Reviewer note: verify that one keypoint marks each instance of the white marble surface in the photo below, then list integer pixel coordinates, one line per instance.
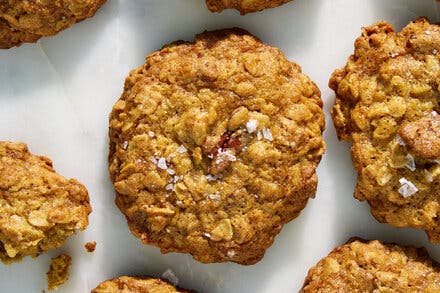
(56, 96)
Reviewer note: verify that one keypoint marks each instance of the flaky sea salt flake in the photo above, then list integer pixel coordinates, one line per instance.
(215, 196)
(410, 163)
(181, 149)
(150, 133)
(162, 163)
(252, 125)
(407, 188)
(125, 145)
(267, 134)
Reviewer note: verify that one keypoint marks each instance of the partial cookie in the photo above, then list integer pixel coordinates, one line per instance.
(244, 6)
(372, 266)
(39, 209)
(28, 21)
(58, 272)
(137, 285)
(214, 146)
(387, 104)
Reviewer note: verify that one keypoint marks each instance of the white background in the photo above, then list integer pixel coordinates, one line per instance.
(56, 96)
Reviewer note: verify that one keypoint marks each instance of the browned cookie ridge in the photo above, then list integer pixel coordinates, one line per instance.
(39, 209)
(387, 104)
(243, 6)
(26, 21)
(214, 146)
(137, 285)
(371, 266)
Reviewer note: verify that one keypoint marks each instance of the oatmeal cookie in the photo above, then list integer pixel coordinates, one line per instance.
(244, 6)
(39, 209)
(59, 271)
(137, 285)
(371, 266)
(26, 21)
(214, 146)
(387, 104)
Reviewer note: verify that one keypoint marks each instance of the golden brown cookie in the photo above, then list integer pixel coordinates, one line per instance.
(371, 266)
(39, 209)
(59, 270)
(137, 285)
(26, 21)
(244, 6)
(214, 146)
(387, 104)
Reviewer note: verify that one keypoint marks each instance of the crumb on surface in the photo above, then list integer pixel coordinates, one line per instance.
(58, 272)
(90, 246)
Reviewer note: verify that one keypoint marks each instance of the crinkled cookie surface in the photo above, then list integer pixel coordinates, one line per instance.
(387, 104)
(214, 146)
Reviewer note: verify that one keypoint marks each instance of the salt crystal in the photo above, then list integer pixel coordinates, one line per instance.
(171, 277)
(125, 145)
(231, 253)
(252, 125)
(434, 113)
(267, 134)
(207, 235)
(179, 202)
(181, 149)
(393, 55)
(407, 187)
(427, 33)
(410, 164)
(259, 135)
(434, 51)
(176, 178)
(225, 156)
(215, 196)
(162, 164)
(170, 187)
(171, 171)
(210, 177)
(150, 133)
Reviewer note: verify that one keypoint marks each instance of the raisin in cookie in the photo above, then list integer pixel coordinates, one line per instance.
(214, 146)
(39, 209)
(244, 6)
(387, 104)
(27, 21)
(137, 285)
(371, 266)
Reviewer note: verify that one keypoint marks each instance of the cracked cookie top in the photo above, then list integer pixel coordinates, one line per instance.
(39, 208)
(387, 104)
(214, 146)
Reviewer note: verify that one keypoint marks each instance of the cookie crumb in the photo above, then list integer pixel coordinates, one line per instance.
(408, 188)
(171, 277)
(90, 246)
(58, 272)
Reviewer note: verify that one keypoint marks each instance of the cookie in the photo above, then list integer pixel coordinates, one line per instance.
(58, 272)
(39, 208)
(137, 285)
(387, 104)
(214, 146)
(28, 21)
(243, 6)
(371, 266)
